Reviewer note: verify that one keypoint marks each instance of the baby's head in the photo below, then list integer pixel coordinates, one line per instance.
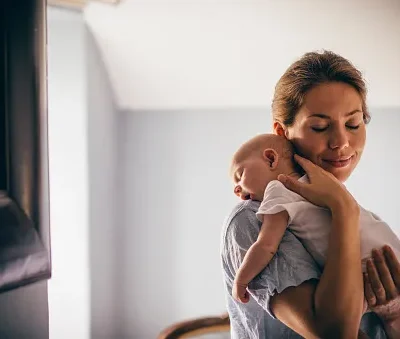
(259, 161)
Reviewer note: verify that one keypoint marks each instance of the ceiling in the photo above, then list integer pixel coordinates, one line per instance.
(192, 54)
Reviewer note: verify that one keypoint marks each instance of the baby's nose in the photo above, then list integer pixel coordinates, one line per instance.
(237, 190)
(240, 193)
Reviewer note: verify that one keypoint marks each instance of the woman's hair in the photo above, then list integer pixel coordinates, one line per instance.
(310, 70)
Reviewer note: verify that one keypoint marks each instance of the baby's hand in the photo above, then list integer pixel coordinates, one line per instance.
(240, 293)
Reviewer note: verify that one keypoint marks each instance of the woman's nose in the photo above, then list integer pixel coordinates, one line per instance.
(338, 139)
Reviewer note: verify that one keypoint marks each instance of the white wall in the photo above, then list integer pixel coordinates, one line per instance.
(169, 54)
(82, 138)
(375, 182)
(176, 192)
(69, 298)
(102, 133)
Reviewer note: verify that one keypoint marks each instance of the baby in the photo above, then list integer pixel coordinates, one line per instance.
(255, 168)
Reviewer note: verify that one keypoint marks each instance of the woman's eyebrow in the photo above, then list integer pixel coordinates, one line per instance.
(324, 116)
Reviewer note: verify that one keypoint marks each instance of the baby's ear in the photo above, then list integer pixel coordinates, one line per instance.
(271, 156)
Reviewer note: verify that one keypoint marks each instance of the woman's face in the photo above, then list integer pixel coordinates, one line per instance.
(329, 128)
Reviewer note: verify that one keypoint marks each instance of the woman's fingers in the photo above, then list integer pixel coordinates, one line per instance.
(314, 172)
(376, 283)
(384, 274)
(393, 265)
(368, 292)
(306, 164)
(293, 184)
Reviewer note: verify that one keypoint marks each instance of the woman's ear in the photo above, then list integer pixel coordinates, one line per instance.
(272, 158)
(280, 130)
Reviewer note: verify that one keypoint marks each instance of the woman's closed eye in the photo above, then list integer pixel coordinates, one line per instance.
(320, 129)
(353, 126)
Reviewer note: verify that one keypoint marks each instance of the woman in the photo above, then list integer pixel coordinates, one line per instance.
(320, 105)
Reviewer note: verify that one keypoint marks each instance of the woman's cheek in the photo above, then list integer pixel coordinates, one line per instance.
(310, 148)
(304, 144)
(307, 143)
(361, 139)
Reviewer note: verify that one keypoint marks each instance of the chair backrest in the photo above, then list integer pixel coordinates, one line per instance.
(196, 327)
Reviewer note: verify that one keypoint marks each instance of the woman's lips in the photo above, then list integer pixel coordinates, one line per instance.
(339, 163)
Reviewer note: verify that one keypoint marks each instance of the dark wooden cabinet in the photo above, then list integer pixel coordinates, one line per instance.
(24, 196)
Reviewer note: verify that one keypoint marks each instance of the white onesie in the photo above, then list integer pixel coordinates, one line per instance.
(312, 224)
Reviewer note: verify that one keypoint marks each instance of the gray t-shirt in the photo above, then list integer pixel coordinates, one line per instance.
(291, 266)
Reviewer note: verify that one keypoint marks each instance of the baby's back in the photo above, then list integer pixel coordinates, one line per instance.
(312, 224)
(375, 233)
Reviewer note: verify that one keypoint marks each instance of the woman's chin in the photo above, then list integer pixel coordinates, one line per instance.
(340, 173)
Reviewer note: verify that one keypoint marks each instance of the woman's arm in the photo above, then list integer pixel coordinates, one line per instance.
(339, 296)
(260, 253)
(294, 307)
(312, 309)
(335, 304)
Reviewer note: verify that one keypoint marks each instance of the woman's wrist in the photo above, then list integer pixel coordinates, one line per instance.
(346, 206)
(392, 327)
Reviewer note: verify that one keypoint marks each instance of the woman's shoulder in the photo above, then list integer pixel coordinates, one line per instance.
(242, 213)
(241, 227)
(241, 220)
(243, 208)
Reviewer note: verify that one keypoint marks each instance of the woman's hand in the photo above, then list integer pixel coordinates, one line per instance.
(323, 190)
(382, 287)
(339, 296)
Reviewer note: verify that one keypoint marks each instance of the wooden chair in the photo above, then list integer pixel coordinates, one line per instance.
(196, 327)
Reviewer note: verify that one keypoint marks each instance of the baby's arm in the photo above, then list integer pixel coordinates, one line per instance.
(260, 253)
